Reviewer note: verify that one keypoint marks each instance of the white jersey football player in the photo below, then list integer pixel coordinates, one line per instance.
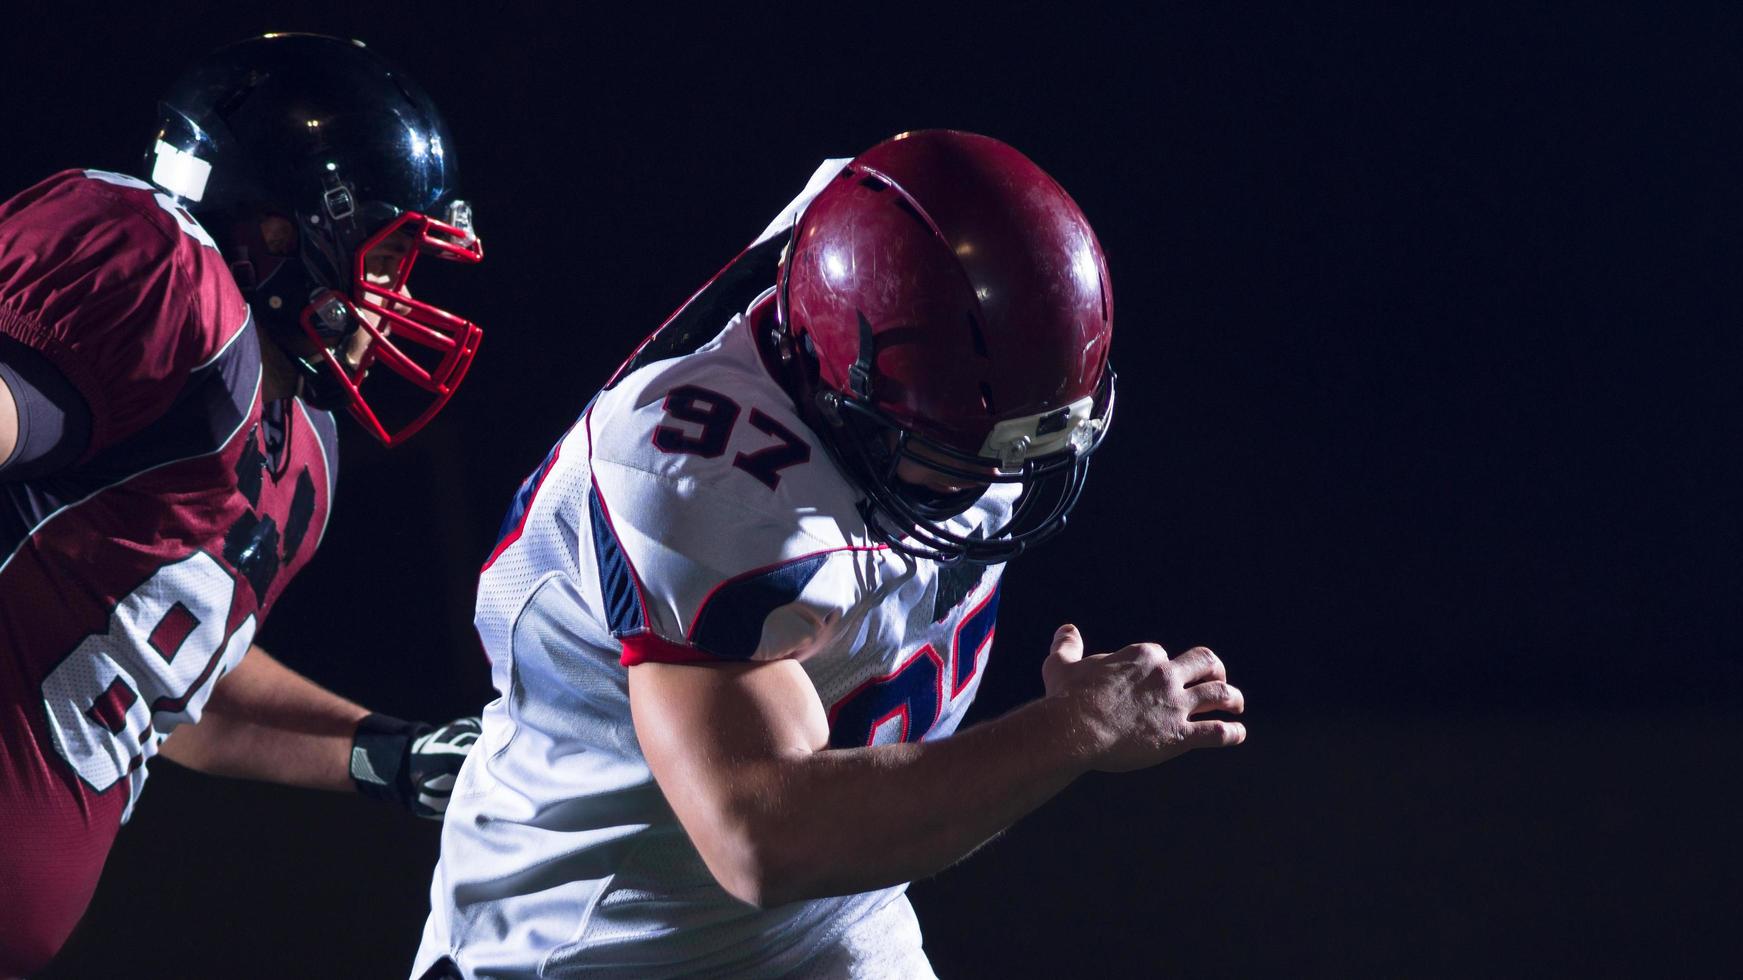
(738, 612)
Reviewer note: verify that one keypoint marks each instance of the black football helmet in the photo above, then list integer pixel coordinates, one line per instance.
(323, 173)
(947, 303)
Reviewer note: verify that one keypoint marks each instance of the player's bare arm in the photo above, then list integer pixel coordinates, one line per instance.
(771, 549)
(8, 422)
(267, 722)
(174, 346)
(779, 817)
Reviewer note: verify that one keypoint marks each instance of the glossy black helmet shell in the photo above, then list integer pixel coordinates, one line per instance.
(295, 152)
(278, 118)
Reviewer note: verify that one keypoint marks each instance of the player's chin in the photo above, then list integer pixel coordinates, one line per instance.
(940, 503)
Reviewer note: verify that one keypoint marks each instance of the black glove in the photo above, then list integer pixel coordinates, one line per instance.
(410, 763)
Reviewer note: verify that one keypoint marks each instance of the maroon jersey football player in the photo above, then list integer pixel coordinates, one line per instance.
(170, 352)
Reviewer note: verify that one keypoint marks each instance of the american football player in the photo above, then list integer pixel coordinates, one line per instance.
(171, 351)
(738, 612)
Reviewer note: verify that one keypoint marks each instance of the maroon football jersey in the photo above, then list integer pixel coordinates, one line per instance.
(133, 580)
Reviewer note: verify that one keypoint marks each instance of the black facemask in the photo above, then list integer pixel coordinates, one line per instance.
(938, 505)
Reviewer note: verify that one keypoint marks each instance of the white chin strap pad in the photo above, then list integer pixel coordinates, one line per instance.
(1015, 441)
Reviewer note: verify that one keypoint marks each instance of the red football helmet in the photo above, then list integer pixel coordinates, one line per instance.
(951, 307)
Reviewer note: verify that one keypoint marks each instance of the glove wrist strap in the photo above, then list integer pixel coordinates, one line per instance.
(381, 757)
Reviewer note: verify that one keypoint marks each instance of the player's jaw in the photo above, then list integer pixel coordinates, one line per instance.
(934, 492)
(282, 380)
(915, 470)
(352, 350)
(380, 269)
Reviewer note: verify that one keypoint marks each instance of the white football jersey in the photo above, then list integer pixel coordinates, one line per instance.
(689, 515)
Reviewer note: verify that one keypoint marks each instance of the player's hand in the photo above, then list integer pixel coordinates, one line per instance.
(1136, 706)
(436, 758)
(411, 764)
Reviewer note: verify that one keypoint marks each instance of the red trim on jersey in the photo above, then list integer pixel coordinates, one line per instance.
(883, 678)
(521, 525)
(899, 710)
(974, 655)
(690, 633)
(648, 647)
(604, 508)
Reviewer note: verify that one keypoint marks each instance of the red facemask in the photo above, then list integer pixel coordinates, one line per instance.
(423, 344)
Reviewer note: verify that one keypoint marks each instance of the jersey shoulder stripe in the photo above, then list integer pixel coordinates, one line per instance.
(723, 562)
(119, 288)
(622, 594)
(730, 621)
(325, 428)
(214, 401)
(514, 521)
(220, 399)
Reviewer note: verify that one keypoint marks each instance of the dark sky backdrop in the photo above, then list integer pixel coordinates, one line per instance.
(1428, 337)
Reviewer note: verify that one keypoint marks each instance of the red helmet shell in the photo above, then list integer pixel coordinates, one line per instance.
(984, 287)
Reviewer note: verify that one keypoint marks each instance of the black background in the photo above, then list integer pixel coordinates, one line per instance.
(1427, 328)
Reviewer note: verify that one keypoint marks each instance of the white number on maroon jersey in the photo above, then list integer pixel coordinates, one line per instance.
(165, 641)
(183, 218)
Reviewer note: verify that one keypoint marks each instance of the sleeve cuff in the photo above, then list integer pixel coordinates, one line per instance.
(645, 648)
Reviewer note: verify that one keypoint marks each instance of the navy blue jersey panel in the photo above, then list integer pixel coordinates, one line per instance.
(529, 488)
(910, 698)
(731, 622)
(523, 497)
(623, 608)
(970, 637)
(213, 402)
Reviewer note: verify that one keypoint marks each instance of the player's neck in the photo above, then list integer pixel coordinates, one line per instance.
(278, 378)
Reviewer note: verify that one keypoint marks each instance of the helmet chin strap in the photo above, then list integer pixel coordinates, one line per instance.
(859, 373)
(318, 390)
(910, 518)
(891, 522)
(289, 374)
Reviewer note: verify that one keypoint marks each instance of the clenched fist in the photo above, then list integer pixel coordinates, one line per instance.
(1134, 707)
